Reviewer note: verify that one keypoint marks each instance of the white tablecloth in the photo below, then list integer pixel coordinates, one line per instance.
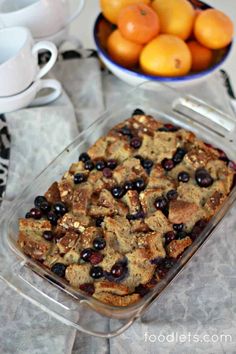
(202, 301)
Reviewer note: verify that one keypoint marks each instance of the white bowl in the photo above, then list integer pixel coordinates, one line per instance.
(57, 38)
(136, 78)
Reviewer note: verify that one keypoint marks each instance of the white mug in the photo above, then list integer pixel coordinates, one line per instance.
(42, 17)
(27, 97)
(19, 60)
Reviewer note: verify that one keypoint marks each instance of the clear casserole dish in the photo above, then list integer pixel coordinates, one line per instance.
(52, 294)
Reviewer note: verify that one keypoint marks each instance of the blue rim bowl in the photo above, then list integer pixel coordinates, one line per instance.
(139, 75)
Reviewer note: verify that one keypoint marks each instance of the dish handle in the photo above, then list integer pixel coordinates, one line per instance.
(206, 115)
(51, 84)
(22, 279)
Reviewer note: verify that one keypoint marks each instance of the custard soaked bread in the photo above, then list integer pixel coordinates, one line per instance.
(122, 215)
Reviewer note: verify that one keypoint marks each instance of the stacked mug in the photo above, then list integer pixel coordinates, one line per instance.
(26, 26)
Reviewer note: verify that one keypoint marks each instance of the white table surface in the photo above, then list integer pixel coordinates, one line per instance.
(83, 26)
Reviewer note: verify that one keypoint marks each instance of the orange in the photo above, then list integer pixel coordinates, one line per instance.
(213, 29)
(138, 23)
(111, 8)
(166, 55)
(202, 57)
(104, 31)
(176, 17)
(123, 51)
(197, 12)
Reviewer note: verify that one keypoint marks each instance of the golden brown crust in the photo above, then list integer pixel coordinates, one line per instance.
(176, 247)
(117, 300)
(53, 194)
(111, 287)
(181, 211)
(30, 238)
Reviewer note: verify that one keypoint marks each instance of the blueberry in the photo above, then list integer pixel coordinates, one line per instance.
(117, 192)
(84, 157)
(232, 164)
(179, 155)
(89, 165)
(86, 254)
(107, 172)
(163, 129)
(161, 203)
(45, 207)
(135, 142)
(168, 128)
(38, 200)
(178, 227)
(167, 164)
(126, 131)
(112, 163)
(79, 178)
(180, 235)
(48, 235)
(172, 194)
(28, 215)
(164, 266)
(139, 157)
(139, 215)
(223, 156)
(183, 177)
(198, 228)
(147, 164)
(203, 178)
(201, 224)
(59, 269)
(35, 213)
(117, 270)
(139, 184)
(128, 186)
(88, 288)
(60, 209)
(142, 290)
(96, 272)
(52, 217)
(131, 217)
(99, 243)
(168, 263)
(169, 236)
(99, 221)
(100, 165)
(138, 112)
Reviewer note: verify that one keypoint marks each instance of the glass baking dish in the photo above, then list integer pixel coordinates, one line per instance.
(52, 294)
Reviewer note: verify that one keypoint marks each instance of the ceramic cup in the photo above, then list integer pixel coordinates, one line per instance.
(19, 60)
(27, 97)
(42, 17)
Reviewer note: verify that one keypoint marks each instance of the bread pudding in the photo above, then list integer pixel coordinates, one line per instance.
(123, 215)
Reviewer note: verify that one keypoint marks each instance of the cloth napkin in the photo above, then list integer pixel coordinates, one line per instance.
(38, 135)
(200, 301)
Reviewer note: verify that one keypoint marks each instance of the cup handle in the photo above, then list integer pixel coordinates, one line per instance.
(52, 49)
(75, 13)
(50, 83)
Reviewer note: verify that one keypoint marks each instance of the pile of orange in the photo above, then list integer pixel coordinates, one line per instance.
(164, 37)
